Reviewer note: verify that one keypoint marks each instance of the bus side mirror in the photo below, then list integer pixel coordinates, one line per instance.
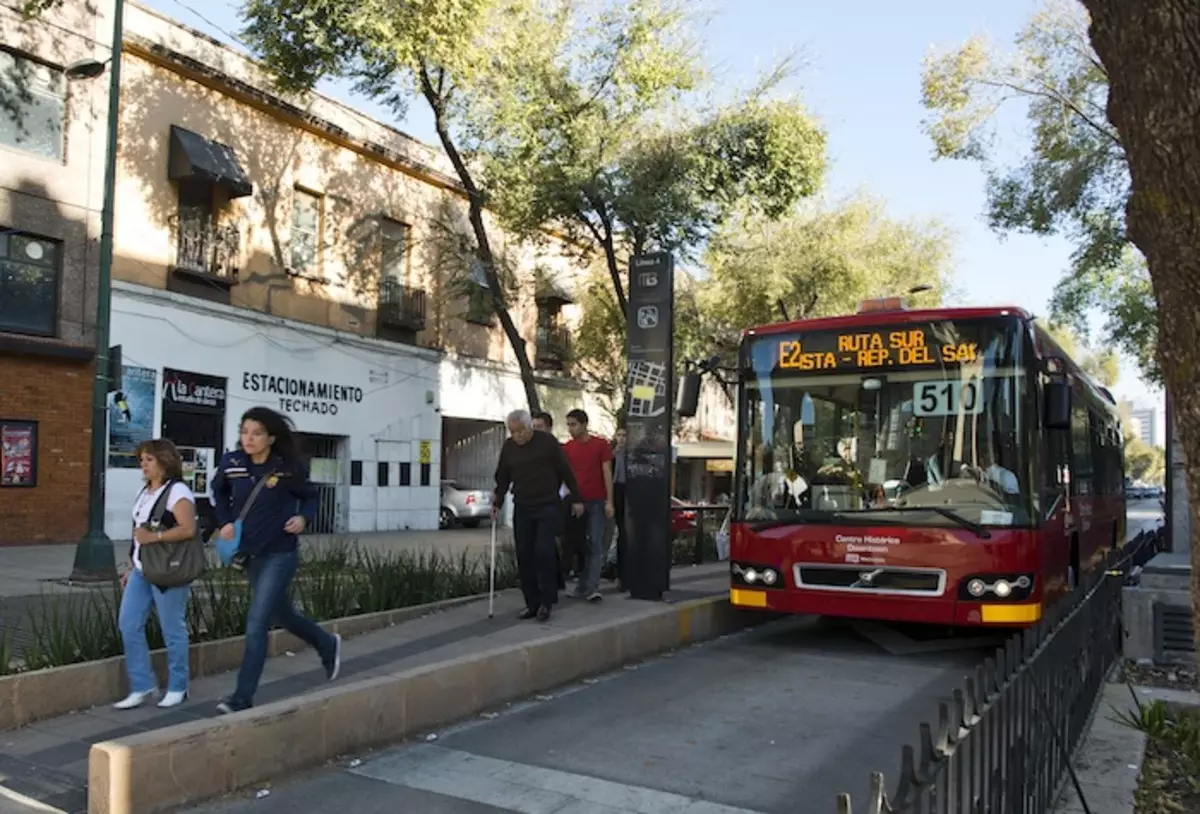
(1058, 405)
(688, 402)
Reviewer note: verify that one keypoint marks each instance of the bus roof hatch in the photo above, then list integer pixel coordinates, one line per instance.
(881, 304)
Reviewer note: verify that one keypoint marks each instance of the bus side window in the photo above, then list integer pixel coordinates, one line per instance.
(1082, 465)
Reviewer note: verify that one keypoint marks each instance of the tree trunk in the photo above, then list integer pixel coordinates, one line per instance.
(1151, 50)
(486, 257)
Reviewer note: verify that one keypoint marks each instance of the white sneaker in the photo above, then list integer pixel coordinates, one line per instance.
(172, 699)
(135, 699)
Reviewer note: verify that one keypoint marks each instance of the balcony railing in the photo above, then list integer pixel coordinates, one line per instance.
(401, 307)
(203, 249)
(553, 348)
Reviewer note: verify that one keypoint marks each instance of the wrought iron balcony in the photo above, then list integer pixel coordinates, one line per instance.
(401, 307)
(206, 250)
(553, 347)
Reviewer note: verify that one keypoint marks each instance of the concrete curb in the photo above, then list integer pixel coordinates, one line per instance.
(185, 764)
(41, 694)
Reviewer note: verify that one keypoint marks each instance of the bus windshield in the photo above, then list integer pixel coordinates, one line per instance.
(925, 424)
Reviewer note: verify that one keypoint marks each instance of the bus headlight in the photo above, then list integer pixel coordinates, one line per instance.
(756, 576)
(1008, 587)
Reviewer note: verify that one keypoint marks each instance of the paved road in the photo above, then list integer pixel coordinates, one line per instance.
(775, 720)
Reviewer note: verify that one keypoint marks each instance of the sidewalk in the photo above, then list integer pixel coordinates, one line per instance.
(48, 761)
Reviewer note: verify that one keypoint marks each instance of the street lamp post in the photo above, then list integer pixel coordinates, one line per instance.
(94, 557)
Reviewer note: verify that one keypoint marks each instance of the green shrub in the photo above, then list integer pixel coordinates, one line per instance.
(332, 582)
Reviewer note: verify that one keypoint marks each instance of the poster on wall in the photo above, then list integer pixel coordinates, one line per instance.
(131, 415)
(18, 453)
(198, 465)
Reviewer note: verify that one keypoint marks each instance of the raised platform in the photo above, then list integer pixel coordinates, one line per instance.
(396, 682)
(1158, 612)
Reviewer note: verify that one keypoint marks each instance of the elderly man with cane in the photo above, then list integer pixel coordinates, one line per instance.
(534, 465)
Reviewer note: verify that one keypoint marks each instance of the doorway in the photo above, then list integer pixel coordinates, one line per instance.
(328, 471)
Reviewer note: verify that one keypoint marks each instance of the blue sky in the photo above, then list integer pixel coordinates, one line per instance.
(860, 74)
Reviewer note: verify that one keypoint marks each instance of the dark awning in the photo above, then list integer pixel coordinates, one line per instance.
(552, 293)
(193, 157)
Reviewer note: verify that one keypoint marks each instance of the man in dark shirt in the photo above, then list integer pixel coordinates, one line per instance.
(534, 465)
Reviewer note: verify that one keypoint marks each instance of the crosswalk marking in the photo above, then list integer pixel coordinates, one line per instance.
(524, 789)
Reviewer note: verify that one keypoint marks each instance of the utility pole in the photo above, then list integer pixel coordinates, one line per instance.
(94, 557)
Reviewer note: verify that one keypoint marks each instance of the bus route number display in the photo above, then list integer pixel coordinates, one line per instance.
(867, 350)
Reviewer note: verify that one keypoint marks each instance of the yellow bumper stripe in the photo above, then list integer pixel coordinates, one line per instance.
(1010, 614)
(748, 599)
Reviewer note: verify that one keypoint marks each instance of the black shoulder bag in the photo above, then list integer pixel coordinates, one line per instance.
(169, 565)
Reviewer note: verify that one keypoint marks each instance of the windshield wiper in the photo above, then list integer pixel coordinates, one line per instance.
(765, 524)
(979, 529)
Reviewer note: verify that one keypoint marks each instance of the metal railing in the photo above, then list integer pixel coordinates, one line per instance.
(205, 248)
(401, 306)
(694, 527)
(1004, 744)
(553, 347)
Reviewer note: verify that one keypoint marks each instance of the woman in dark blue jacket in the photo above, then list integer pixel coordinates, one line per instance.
(269, 547)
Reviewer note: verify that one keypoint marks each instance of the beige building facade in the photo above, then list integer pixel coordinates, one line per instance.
(292, 252)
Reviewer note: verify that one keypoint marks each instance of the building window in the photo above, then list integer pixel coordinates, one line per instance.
(28, 284)
(393, 238)
(33, 106)
(381, 474)
(406, 474)
(306, 232)
(426, 474)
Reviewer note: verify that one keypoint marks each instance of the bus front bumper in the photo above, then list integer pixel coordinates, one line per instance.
(926, 610)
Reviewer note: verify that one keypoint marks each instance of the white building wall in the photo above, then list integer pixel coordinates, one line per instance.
(397, 411)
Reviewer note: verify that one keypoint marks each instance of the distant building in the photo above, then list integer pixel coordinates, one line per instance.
(1145, 419)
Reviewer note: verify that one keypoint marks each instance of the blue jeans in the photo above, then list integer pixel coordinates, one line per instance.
(270, 578)
(593, 523)
(171, 606)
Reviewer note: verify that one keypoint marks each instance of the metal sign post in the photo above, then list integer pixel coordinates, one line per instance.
(649, 398)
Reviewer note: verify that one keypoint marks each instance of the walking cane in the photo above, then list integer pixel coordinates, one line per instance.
(492, 573)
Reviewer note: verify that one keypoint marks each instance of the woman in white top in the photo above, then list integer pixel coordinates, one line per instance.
(163, 470)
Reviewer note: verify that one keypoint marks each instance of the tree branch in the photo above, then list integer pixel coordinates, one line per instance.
(1053, 95)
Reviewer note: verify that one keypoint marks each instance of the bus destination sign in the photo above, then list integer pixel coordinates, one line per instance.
(870, 350)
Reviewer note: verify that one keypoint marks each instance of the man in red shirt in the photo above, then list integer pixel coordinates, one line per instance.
(591, 462)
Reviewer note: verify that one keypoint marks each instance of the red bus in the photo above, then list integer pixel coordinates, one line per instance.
(950, 466)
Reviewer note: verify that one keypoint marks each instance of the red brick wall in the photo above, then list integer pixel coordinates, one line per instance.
(57, 394)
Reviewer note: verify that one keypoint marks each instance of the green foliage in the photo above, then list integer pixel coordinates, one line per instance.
(817, 262)
(1103, 365)
(334, 582)
(1144, 462)
(1160, 722)
(571, 127)
(1073, 180)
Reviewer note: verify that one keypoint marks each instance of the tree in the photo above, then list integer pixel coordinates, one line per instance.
(581, 143)
(1151, 51)
(433, 50)
(1103, 365)
(817, 262)
(1073, 180)
(1144, 462)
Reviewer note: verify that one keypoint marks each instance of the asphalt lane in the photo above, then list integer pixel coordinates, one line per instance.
(769, 721)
